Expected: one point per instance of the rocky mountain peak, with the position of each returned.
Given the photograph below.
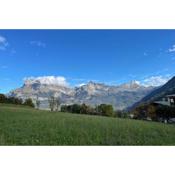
(131, 85)
(92, 93)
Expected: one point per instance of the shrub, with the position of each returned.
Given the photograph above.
(105, 110)
(29, 102)
(3, 98)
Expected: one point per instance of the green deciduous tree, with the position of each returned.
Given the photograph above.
(29, 102)
(3, 98)
(106, 110)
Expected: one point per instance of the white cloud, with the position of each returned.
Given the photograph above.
(38, 43)
(55, 80)
(3, 43)
(172, 49)
(156, 80)
(62, 81)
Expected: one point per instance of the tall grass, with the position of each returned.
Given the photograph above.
(27, 126)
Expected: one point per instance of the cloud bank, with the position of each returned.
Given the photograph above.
(62, 81)
(49, 80)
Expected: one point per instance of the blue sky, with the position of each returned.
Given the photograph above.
(108, 56)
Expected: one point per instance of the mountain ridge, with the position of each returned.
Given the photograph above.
(166, 89)
(92, 93)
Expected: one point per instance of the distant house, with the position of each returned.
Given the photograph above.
(169, 100)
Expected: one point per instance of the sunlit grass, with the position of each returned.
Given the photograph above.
(27, 126)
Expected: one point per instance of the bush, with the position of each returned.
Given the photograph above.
(105, 110)
(76, 108)
(29, 102)
(64, 108)
(17, 101)
(121, 114)
(165, 112)
(3, 98)
(13, 100)
(154, 112)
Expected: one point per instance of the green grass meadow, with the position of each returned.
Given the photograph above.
(26, 126)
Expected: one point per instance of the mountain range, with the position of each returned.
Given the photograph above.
(92, 93)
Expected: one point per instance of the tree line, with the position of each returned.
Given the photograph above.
(55, 105)
(154, 112)
(102, 110)
(17, 101)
